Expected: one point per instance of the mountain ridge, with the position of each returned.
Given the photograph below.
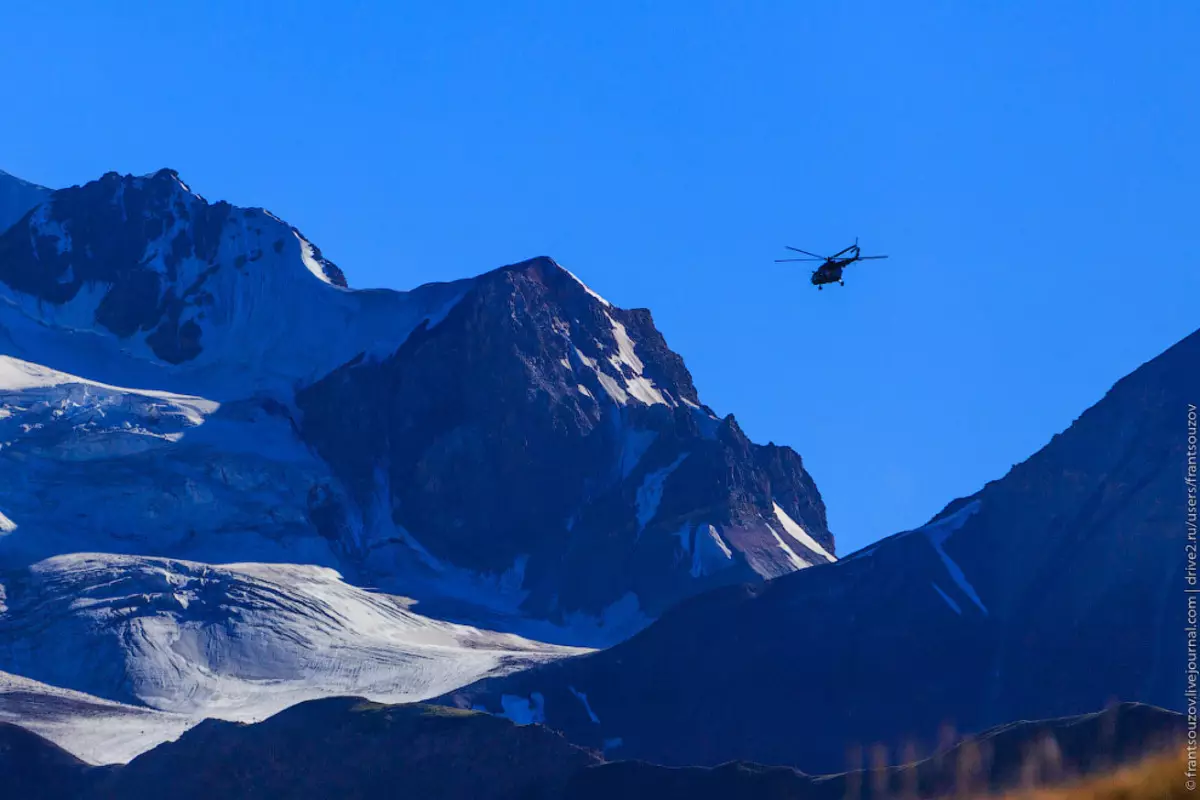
(187, 384)
(243, 483)
(1046, 592)
(347, 747)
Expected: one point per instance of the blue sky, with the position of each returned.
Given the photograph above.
(1030, 167)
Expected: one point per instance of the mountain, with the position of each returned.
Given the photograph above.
(511, 442)
(90, 728)
(241, 641)
(238, 483)
(1049, 592)
(350, 748)
(17, 197)
(138, 281)
(339, 747)
(540, 433)
(1010, 756)
(230, 483)
(36, 769)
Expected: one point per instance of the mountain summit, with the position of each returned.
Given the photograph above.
(510, 444)
(153, 271)
(568, 431)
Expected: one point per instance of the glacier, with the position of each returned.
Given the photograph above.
(231, 482)
(235, 641)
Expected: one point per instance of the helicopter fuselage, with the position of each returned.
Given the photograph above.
(830, 271)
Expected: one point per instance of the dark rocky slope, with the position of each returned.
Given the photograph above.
(32, 768)
(351, 749)
(1051, 591)
(523, 433)
(1022, 753)
(348, 748)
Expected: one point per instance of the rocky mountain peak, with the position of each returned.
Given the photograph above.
(513, 440)
(541, 433)
(147, 258)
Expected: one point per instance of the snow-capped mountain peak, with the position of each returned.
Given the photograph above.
(512, 439)
(141, 280)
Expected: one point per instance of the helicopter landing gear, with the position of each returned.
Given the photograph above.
(841, 283)
(820, 287)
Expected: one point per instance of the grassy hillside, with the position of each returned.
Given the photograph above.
(1159, 777)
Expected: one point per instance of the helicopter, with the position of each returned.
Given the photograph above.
(831, 270)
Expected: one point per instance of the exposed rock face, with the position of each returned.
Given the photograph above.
(511, 442)
(153, 245)
(540, 430)
(1052, 591)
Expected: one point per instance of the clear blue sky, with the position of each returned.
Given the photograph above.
(1031, 168)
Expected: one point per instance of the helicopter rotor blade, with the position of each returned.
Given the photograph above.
(798, 250)
(864, 258)
(782, 260)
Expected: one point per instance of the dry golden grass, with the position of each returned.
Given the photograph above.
(1159, 777)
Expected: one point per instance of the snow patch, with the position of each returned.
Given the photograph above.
(524, 710)
(612, 388)
(17, 375)
(684, 535)
(607, 382)
(798, 533)
(634, 444)
(586, 706)
(710, 553)
(707, 422)
(938, 532)
(586, 288)
(309, 257)
(795, 560)
(616, 622)
(953, 605)
(649, 494)
(631, 383)
(638, 386)
(46, 413)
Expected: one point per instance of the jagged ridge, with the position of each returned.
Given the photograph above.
(1051, 591)
(510, 444)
